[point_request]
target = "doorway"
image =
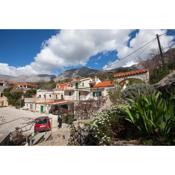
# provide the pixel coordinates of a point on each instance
(42, 109)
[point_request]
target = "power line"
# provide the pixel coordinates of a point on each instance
(137, 49)
(144, 45)
(138, 55)
(170, 45)
(147, 43)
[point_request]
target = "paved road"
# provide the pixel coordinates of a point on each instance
(11, 117)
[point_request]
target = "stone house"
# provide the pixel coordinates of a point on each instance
(141, 74)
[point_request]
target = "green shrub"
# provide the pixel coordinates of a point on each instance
(30, 93)
(136, 90)
(132, 81)
(104, 129)
(109, 125)
(14, 97)
(153, 116)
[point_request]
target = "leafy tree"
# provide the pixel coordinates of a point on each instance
(30, 93)
(6, 91)
(14, 97)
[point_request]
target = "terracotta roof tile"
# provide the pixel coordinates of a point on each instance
(62, 86)
(106, 83)
(129, 73)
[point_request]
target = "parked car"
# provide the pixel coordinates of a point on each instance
(42, 124)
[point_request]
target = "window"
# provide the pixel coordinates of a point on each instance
(50, 96)
(76, 85)
(61, 96)
(83, 84)
(97, 94)
(70, 93)
(41, 121)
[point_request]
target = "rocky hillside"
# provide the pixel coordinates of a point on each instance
(158, 67)
(80, 72)
(167, 84)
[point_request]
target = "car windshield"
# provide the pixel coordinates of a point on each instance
(41, 121)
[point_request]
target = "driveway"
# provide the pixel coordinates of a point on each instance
(11, 117)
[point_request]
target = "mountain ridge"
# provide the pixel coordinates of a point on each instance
(28, 78)
(67, 74)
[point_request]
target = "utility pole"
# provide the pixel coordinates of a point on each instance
(160, 48)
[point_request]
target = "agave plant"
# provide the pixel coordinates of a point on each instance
(152, 115)
(136, 90)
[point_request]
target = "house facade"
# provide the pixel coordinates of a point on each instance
(44, 100)
(77, 89)
(24, 86)
(102, 89)
(63, 96)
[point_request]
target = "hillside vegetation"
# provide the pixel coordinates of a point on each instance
(158, 70)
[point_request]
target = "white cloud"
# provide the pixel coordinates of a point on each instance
(75, 47)
(142, 37)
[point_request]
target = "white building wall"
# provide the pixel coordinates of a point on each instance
(58, 94)
(70, 97)
(85, 83)
(49, 95)
(46, 108)
(45, 94)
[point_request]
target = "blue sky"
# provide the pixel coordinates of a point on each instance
(52, 51)
(19, 47)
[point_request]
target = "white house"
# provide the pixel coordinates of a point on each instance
(44, 100)
(101, 89)
(77, 89)
(63, 96)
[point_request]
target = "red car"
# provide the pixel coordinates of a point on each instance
(42, 124)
